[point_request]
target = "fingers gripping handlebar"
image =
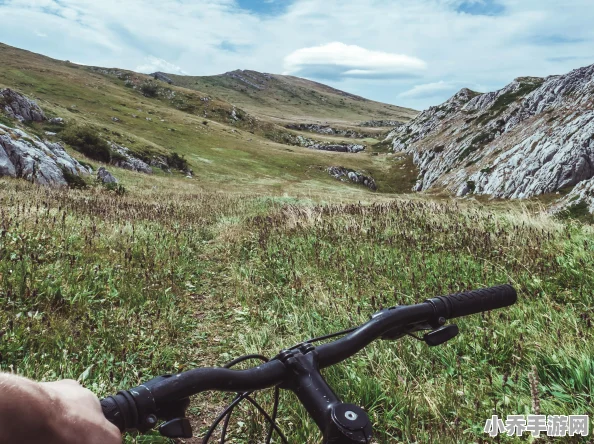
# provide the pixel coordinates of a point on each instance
(166, 397)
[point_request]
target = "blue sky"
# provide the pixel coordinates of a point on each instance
(414, 53)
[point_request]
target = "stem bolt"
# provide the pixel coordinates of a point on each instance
(351, 416)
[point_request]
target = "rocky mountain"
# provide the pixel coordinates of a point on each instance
(534, 136)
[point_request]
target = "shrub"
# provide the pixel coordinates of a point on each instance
(116, 188)
(117, 157)
(149, 89)
(86, 140)
(73, 180)
(6, 121)
(178, 162)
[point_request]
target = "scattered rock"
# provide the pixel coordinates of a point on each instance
(160, 162)
(344, 174)
(316, 145)
(581, 195)
(325, 129)
(338, 148)
(125, 160)
(162, 77)
(50, 133)
(56, 121)
(115, 119)
(41, 162)
(20, 107)
(105, 176)
(381, 123)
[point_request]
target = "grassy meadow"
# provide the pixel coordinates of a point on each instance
(112, 290)
(263, 249)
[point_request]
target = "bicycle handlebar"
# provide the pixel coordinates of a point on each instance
(139, 408)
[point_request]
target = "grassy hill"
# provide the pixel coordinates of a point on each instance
(224, 152)
(292, 99)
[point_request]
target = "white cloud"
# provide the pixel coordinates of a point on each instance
(383, 42)
(430, 90)
(153, 64)
(337, 60)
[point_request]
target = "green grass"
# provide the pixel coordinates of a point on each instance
(113, 290)
(311, 271)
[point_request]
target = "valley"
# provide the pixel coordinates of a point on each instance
(232, 231)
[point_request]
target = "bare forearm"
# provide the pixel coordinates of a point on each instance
(25, 410)
(60, 412)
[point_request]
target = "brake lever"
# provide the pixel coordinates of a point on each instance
(177, 425)
(439, 333)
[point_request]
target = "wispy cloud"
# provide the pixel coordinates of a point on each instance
(430, 90)
(154, 64)
(337, 60)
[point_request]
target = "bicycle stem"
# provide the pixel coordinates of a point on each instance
(339, 423)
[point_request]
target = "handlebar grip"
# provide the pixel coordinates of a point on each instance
(120, 410)
(476, 301)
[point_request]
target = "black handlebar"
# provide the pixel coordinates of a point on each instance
(140, 407)
(476, 301)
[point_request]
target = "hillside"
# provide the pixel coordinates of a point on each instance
(533, 137)
(225, 146)
(292, 99)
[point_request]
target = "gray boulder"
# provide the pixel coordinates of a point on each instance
(105, 176)
(339, 148)
(162, 77)
(129, 162)
(345, 174)
(20, 107)
(581, 194)
(56, 120)
(41, 162)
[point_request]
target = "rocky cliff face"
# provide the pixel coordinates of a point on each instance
(20, 107)
(27, 157)
(532, 137)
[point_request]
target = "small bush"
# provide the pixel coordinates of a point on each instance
(73, 180)
(86, 140)
(117, 157)
(178, 162)
(6, 121)
(116, 188)
(149, 89)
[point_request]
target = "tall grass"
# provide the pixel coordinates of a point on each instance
(113, 290)
(310, 271)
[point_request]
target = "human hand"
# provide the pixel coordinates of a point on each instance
(76, 415)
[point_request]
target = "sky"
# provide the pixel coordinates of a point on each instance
(413, 53)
